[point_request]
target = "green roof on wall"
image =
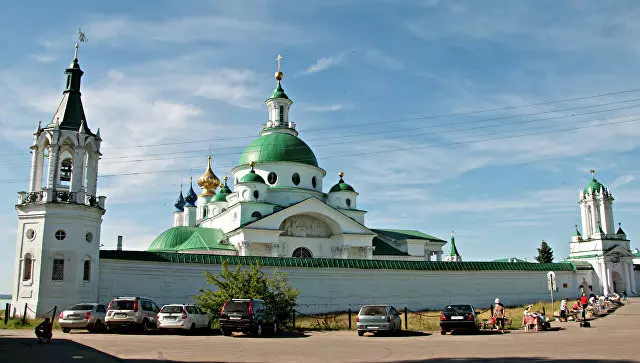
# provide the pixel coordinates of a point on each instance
(333, 263)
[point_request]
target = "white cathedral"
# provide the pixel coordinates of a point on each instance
(277, 212)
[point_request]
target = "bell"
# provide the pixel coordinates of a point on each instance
(65, 171)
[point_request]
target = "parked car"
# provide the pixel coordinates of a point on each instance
(378, 318)
(88, 316)
(133, 312)
(459, 317)
(182, 317)
(249, 316)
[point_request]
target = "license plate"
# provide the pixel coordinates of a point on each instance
(72, 316)
(120, 316)
(234, 318)
(372, 327)
(170, 318)
(457, 317)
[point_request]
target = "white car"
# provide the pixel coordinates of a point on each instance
(183, 317)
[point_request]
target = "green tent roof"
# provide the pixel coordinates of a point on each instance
(453, 251)
(189, 238)
(279, 92)
(593, 185)
(400, 234)
(276, 147)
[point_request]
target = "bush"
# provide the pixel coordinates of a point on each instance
(274, 289)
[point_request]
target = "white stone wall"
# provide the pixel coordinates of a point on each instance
(335, 289)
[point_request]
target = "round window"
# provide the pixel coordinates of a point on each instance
(88, 237)
(272, 178)
(313, 182)
(60, 235)
(31, 234)
(295, 179)
(256, 194)
(348, 201)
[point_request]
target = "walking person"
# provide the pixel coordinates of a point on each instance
(43, 331)
(498, 315)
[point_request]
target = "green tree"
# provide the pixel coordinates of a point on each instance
(251, 282)
(545, 253)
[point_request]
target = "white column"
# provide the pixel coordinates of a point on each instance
(439, 255)
(92, 174)
(34, 168)
(78, 169)
(53, 167)
(609, 280)
(40, 167)
(627, 277)
(603, 278)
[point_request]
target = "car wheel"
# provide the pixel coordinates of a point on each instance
(208, 327)
(226, 333)
(66, 330)
(443, 332)
(192, 329)
(276, 329)
(97, 327)
(360, 333)
(145, 326)
(259, 330)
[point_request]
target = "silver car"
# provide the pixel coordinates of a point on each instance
(136, 312)
(378, 318)
(88, 316)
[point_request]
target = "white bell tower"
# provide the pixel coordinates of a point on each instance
(60, 216)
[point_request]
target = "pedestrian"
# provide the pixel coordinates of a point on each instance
(498, 315)
(43, 331)
(584, 301)
(563, 310)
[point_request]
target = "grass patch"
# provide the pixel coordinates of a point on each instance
(428, 320)
(28, 324)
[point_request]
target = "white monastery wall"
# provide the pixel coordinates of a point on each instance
(336, 289)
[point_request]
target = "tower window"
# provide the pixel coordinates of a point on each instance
(27, 266)
(31, 234)
(301, 252)
(295, 178)
(256, 194)
(61, 235)
(348, 201)
(88, 237)
(86, 271)
(272, 178)
(204, 213)
(313, 182)
(281, 113)
(65, 170)
(58, 269)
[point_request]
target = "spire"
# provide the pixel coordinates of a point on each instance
(191, 197)
(279, 91)
(620, 231)
(70, 113)
(179, 204)
(453, 256)
(577, 234)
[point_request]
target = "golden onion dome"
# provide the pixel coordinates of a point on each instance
(208, 181)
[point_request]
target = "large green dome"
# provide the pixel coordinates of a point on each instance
(275, 147)
(594, 186)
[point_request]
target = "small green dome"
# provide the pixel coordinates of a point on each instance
(593, 185)
(279, 92)
(275, 147)
(341, 187)
(222, 194)
(252, 177)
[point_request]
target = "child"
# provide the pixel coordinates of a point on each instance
(563, 310)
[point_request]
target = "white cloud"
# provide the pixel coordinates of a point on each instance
(325, 63)
(324, 108)
(381, 60)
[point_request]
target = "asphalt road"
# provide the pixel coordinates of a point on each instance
(610, 338)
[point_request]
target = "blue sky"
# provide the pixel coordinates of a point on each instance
(160, 72)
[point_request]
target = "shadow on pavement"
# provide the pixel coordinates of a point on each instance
(282, 334)
(509, 359)
(400, 334)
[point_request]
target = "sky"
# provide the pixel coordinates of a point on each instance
(482, 118)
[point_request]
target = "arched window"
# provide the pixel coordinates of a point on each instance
(281, 113)
(27, 267)
(256, 214)
(57, 273)
(86, 270)
(204, 213)
(301, 252)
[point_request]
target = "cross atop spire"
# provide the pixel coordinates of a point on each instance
(593, 173)
(82, 38)
(278, 58)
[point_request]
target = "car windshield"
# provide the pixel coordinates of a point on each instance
(458, 309)
(373, 310)
(81, 307)
(122, 305)
(236, 307)
(171, 309)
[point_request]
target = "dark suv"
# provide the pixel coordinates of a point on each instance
(249, 316)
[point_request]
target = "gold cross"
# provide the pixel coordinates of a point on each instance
(593, 172)
(278, 60)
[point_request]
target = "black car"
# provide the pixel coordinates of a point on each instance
(459, 317)
(249, 316)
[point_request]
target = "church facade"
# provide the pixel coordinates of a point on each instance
(278, 214)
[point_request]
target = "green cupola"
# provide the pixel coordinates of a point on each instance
(341, 186)
(251, 176)
(221, 196)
